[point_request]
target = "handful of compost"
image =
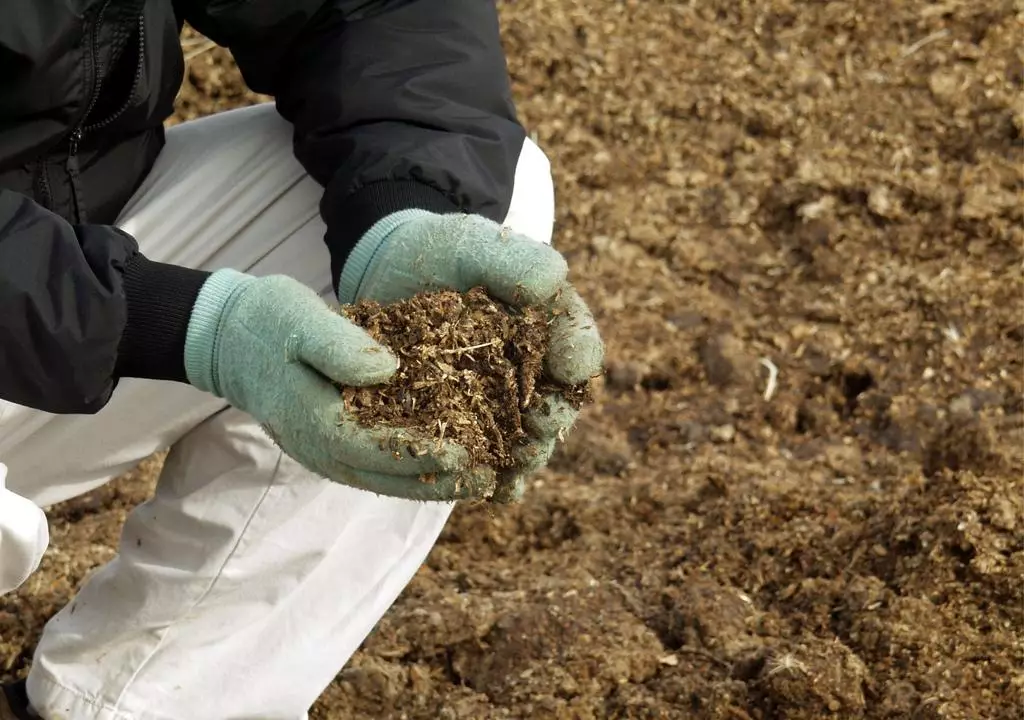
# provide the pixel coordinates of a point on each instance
(471, 371)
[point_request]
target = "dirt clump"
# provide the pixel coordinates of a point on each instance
(469, 367)
(815, 680)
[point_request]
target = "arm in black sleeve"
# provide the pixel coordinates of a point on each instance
(81, 307)
(396, 104)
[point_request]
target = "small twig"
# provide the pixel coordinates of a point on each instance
(911, 49)
(773, 378)
(786, 663)
(455, 351)
(858, 553)
(704, 654)
(199, 49)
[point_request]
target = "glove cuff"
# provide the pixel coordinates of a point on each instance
(350, 213)
(204, 327)
(362, 255)
(159, 297)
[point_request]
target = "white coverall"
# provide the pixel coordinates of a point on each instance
(246, 583)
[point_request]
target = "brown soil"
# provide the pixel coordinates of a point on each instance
(833, 188)
(469, 367)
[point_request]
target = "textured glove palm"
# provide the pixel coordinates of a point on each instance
(272, 347)
(414, 251)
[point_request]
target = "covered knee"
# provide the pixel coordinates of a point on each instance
(532, 210)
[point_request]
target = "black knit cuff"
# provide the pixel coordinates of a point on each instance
(160, 299)
(349, 219)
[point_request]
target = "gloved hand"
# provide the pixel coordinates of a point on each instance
(414, 251)
(271, 347)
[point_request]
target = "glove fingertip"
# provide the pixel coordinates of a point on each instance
(344, 352)
(576, 352)
(451, 457)
(392, 449)
(517, 270)
(510, 490)
(554, 418)
(542, 279)
(376, 365)
(577, 363)
(476, 483)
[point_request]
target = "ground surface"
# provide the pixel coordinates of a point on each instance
(834, 187)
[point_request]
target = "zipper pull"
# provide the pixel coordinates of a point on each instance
(76, 191)
(76, 137)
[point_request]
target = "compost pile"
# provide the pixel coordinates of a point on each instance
(469, 367)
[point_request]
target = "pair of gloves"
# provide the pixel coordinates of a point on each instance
(272, 347)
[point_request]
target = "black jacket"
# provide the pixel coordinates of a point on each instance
(395, 104)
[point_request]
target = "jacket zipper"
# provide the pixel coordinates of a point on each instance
(97, 85)
(83, 128)
(91, 127)
(94, 93)
(43, 183)
(73, 174)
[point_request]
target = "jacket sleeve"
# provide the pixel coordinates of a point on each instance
(80, 307)
(396, 104)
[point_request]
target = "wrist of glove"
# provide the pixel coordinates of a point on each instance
(271, 347)
(413, 251)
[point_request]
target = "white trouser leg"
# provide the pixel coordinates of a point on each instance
(246, 583)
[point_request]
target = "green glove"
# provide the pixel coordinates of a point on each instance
(414, 251)
(271, 347)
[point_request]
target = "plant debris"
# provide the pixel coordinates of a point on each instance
(470, 366)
